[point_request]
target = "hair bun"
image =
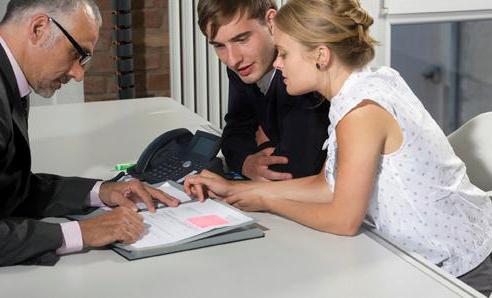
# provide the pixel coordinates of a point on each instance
(360, 17)
(340, 25)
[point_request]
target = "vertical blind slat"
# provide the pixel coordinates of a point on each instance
(175, 49)
(224, 92)
(201, 70)
(188, 60)
(214, 88)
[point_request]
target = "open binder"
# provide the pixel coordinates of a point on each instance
(238, 234)
(191, 225)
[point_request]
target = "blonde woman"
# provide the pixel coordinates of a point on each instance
(387, 162)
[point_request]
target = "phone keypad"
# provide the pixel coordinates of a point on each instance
(173, 168)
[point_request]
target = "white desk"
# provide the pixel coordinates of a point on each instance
(291, 261)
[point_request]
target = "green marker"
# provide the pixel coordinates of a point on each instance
(123, 166)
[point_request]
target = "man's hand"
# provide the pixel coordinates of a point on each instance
(255, 166)
(121, 224)
(127, 193)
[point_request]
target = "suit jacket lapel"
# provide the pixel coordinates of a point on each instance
(18, 113)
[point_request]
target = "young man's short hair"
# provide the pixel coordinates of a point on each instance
(219, 12)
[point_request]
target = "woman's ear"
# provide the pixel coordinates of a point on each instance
(270, 14)
(39, 29)
(323, 57)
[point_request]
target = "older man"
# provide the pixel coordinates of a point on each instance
(43, 45)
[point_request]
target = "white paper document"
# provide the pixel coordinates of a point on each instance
(175, 190)
(171, 188)
(187, 222)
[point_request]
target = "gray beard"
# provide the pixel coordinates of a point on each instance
(48, 92)
(45, 92)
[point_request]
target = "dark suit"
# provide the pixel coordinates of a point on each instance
(296, 126)
(25, 197)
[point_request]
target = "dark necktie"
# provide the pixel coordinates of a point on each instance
(25, 105)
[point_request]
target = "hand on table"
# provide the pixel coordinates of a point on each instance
(207, 184)
(252, 200)
(126, 194)
(123, 223)
(120, 224)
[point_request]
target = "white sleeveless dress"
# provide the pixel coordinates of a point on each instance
(423, 200)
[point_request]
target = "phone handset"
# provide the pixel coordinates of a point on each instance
(170, 141)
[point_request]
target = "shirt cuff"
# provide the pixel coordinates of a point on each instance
(95, 201)
(72, 238)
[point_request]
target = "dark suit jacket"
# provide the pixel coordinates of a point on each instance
(296, 125)
(25, 197)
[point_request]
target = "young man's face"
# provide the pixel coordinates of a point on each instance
(246, 46)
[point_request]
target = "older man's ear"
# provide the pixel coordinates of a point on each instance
(39, 29)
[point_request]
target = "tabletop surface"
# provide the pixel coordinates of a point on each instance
(290, 261)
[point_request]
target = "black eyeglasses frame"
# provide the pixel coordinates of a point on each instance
(85, 56)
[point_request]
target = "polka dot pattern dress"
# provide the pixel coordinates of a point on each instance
(422, 200)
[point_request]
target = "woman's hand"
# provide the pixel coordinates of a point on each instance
(207, 184)
(249, 200)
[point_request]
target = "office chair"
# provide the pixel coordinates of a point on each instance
(472, 142)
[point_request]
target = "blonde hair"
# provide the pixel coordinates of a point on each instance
(341, 25)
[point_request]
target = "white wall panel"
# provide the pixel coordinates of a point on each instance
(435, 6)
(195, 69)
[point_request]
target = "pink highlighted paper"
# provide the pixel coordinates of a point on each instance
(207, 221)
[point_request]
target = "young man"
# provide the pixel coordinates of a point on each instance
(269, 135)
(43, 45)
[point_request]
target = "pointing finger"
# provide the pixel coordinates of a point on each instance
(162, 196)
(137, 187)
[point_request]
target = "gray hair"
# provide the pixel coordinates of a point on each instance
(61, 10)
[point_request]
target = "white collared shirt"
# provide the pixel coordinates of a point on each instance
(22, 83)
(265, 81)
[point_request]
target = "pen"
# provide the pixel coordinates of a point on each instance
(117, 177)
(142, 207)
(123, 166)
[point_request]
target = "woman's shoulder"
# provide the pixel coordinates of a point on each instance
(375, 79)
(372, 85)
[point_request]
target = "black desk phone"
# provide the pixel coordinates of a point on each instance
(176, 154)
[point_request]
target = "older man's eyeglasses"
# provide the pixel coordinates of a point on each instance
(85, 56)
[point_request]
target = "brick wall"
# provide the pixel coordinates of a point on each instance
(151, 49)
